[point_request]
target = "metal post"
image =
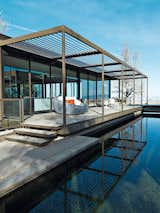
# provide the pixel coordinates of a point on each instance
(133, 87)
(102, 84)
(1, 83)
(64, 78)
(147, 90)
(122, 82)
(30, 88)
(50, 87)
(96, 90)
(141, 91)
(78, 85)
(88, 88)
(119, 89)
(21, 110)
(109, 95)
(43, 87)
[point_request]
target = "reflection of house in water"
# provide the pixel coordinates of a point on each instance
(91, 186)
(86, 188)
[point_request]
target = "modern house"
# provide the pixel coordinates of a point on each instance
(37, 67)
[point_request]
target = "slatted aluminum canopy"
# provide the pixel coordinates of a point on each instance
(79, 52)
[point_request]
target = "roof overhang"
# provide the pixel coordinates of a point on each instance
(77, 47)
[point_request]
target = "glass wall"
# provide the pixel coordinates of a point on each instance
(15, 77)
(99, 90)
(106, 89)
(72, 83)
(84, 86)
(46, 80)
(40, 76)
(92, 89)
(56, 79)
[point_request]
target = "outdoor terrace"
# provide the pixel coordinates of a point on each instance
(63, 46)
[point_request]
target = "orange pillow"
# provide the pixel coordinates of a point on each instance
(71, 101)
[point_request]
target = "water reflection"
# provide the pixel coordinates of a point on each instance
(86, 188)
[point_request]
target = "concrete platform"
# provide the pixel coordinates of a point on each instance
(54, 121)
(21, 163)
(35, 132)
(28, 140)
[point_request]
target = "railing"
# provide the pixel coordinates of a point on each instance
(11, 112)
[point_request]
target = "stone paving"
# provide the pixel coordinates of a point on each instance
(21, 163)
(52, 119)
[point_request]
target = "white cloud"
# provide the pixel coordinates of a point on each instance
(3, 24)
(20, 27)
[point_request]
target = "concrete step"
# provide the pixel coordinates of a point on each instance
(45, 126)
(36, 141)
(36, 133)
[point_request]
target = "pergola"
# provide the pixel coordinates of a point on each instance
(66, 46)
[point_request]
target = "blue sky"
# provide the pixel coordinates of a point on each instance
(109, 23)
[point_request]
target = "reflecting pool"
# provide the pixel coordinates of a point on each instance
(121, 174)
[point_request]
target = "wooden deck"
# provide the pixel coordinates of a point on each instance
(53, 121)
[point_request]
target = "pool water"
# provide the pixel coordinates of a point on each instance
(123, 176)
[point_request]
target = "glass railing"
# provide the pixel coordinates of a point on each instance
(11, 112)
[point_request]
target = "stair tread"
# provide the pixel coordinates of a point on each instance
(28, 139)
(36, 132)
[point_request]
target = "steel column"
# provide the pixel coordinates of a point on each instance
(30, 88)
(96, 90)
(122, 82)
(133, 87)
(109, 96)
(88, 88)
(43, 87)
(102, 84)
(78, 85)
(64, 78)
(141, 91)
(147, 90)
(21, 110)
(119, 89)
(1, 83)
(50, 87)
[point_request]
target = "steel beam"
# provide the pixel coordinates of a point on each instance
(125, 70)
(86, 41)
(98, 65)
(32, 35)
(78, 55)
(124, 75)
(73, 34)
(129, 78)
